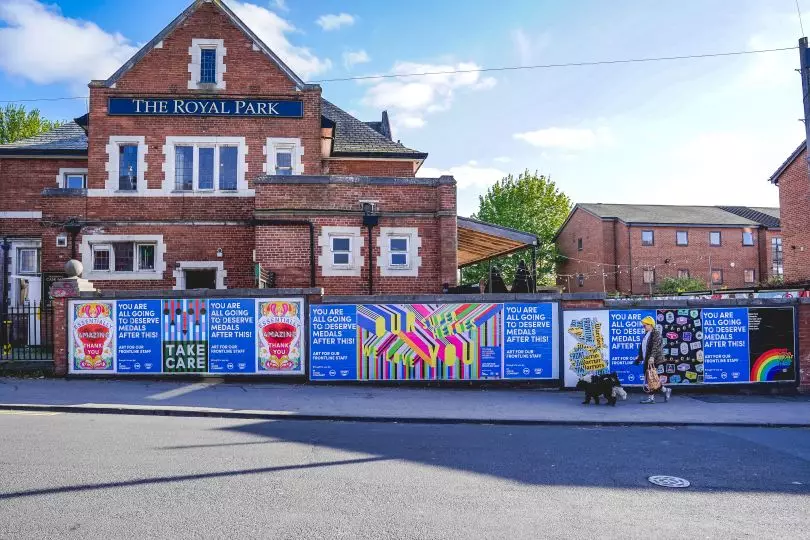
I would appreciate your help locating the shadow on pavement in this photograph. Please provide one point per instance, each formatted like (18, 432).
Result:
(617, 457)
(179, 478)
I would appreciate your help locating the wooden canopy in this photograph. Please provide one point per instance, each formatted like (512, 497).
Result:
(479, 241)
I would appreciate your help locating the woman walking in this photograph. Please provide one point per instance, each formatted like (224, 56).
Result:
(651, 354)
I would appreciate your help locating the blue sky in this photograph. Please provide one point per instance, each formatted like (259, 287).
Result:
(707, 131)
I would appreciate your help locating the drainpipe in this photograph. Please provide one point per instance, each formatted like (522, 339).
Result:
(296, 222)
(74, 227)
(370, 220)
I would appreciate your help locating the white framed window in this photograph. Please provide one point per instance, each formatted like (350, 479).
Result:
(714, 238)
(747, 238)
(647, 238)
(341, 249)
(28, 260)
(649, 277)
(399, 251)
(284, 156)
(207, 64)
(206, 165)
(123, 256)
(681, 238)
(126, 164)
(61, 240)
(72, 178)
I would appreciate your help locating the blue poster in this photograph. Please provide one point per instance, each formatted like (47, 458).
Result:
(490, 362)
(231, 335)
(626, 333)
(725, 345)
(138, 336)
(528, 341)
(333, 342)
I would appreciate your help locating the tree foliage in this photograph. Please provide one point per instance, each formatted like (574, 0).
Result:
(674, 285)
(16, 123)
(529, 202)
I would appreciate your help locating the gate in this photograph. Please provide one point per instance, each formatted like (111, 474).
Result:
(26, 333)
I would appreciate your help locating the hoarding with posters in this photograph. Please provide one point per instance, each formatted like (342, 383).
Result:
(469, 341)
(707, 345)
(206, 336)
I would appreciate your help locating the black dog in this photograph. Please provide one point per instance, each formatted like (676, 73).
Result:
(596, 385)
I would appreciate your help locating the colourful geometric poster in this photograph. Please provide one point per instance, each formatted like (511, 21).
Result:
(92, 333)
(279, 332)
(428, 341)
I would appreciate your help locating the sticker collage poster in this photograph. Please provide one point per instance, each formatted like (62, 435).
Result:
(725, 345)
(188, 335)
(471, 341)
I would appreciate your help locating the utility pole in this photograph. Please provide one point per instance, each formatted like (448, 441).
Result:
(604, 287)
(804, 71)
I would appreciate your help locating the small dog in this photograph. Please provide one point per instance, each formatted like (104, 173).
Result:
(604, 385)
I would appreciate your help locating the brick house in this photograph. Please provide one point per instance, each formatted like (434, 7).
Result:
(794, 191)
(205, 162)
(632, 248)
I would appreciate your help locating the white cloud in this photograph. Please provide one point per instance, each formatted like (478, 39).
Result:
(280, 5)
(351, 58)
(411, 98)
(566, 138)
(273, 30)
(467, 175)
(334, 22)
(527, 47)
(502, 159)
(42, 45)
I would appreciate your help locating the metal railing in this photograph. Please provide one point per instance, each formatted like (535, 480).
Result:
(26, 333)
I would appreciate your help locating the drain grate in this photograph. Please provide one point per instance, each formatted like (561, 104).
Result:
(669, 481)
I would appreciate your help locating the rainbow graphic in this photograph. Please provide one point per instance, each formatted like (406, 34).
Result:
(770, 364)
(425, 341)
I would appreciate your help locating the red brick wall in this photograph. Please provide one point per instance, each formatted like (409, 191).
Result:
(623, 257)
(22, 180)
(794, 193)
(594, 251)
(369, 167)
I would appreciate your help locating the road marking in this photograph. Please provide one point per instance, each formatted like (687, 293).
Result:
(30, 413)
(183, 390)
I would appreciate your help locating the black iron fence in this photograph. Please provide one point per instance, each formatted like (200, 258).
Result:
(26, 332)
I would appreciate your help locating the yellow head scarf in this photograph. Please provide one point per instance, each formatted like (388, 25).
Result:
(648, 320)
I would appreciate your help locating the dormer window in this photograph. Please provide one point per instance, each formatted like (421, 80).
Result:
(208, 66)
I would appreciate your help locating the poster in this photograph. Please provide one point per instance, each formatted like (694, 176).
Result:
(709, 345)
(529, 340)
(471, 341)
(92, 337)
(726, 358)
(188, 336)
(682, 335)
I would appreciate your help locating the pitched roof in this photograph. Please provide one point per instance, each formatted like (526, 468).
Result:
(382, 127)
(768, 217)
(69, 139)
(774, 179)
(355, 138)
(666, 214)
(299, 83)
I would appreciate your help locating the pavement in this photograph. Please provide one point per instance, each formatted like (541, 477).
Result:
(509, 406)
(88, 476)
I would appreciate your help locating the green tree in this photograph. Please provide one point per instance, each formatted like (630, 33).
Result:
(674, 285)
(16, 123)
(530, 203)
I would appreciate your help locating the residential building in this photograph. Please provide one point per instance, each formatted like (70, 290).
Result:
(630, 249)
(794, 191)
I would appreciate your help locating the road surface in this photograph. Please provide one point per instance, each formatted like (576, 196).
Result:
(109, 476)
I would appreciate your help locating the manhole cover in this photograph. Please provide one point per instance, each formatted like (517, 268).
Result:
(669, 481)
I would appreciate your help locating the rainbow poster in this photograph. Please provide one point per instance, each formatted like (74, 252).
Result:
(772, 345)
(429, 342)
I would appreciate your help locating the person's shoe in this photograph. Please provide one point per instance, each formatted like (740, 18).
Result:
(667, 393)
(648, 400)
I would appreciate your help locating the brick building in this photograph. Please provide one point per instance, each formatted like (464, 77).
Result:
(794, 191)
(632, 248)
(205, 162)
